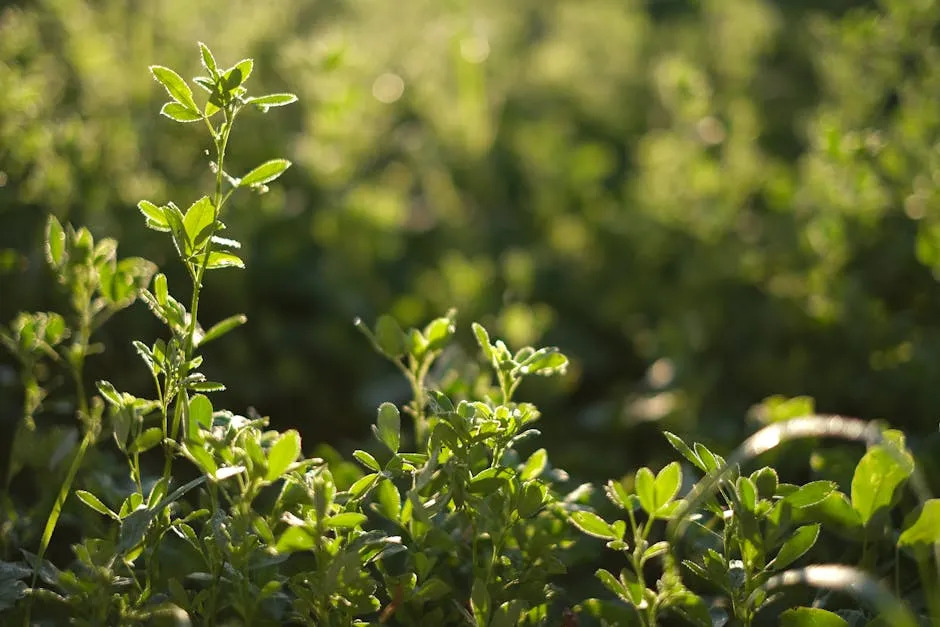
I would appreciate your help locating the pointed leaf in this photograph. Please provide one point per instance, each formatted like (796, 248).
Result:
(811, 617)
(265, 173)
(221, 259)
(95, 503)
(221, 328)
(199, 216)
(208, 61)
(180, 113)
(147, 440)
(272, 100)
(926, 529)
(55, 242)
(389, 426)
(593, 525)
(284, 452)
(796, 545)
(175, 86)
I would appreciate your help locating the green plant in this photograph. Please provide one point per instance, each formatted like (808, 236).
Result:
(465, 530)
(216, 519)
(744, 532)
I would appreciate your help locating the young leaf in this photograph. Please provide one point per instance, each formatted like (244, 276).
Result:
(388, 429)
(147, 440)
(877, 477)
(593, 525)
(95, 503)
(55, 242)
(294, 539)
(480, 602)
(201, 214)
(208, 61)
(811, 617)
(346, 520)
(265, 173)
(367, 460)
(534, 465)
(926, 529)
(746, 493)
(200, 411)
(796, 545)
(667, 484)
(238, 74)
(810, 494)
(483, 339)
(109, 393)
(283, 454)
(175, 86)
(272, 100)
(221, 328)
(683, 449)
(645, 485)
(179, 113)
(221, 259)
(389, 337)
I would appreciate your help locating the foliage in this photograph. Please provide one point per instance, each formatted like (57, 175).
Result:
(203, 515)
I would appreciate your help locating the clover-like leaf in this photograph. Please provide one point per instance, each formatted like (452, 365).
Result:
(926, 528)
(388, 426)
(801, 541)
(265, 173)
(284, 452)
(95, 503)
(175, 86)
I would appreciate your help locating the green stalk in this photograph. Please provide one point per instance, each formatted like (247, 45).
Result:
(77, 370)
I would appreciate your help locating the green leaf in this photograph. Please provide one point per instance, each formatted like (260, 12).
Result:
(388, 500)
(389, 337)
(593, 525)
(175, 86)
(614, 585)
(439, 332)
(109, 393)
(207, 386)
(544, 362)
(480, 602)
(95, 503)
(483, 339)
(202, 458)
(272, 100)
(346, 520)
(388, 426)
(535, 465)
(765, 480)
(55, 242)
(283, 454)
(926, 528)
(208, 61)
(295, 539)
(877, 477)
(160, 291)
(265, 173)
(645, 485)
(811, 617)
(180, 113)
(200, 412)
(221, 328)
(801, 541)
(223, 259)
(667, 484)
(746, 493)
(367, 460)
(677, 443)
(531, 499)
(199, 216)
(147, 440)
(810, 494)
(238, 74)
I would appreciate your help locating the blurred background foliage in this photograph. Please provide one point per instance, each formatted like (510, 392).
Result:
(702, 202)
